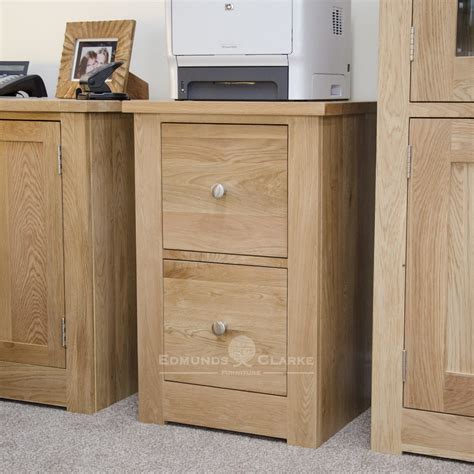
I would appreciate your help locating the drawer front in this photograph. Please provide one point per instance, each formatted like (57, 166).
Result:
(250, 162)
(251, 301)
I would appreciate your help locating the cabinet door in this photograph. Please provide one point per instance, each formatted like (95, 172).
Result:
(439, 326)
(31, 244)
(443, 66)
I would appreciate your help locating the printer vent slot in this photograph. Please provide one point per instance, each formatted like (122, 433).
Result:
(337, 21)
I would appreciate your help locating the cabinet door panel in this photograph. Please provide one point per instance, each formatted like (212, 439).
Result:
(440, 268)
(31, 244)
(439, 72)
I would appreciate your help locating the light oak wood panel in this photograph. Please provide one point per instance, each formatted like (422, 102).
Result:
(225, 409)
(435, 55)
(440, 267)
(78, 252)
(113, 222)
(346, 266)
(30, 116)
(251, 163)
(390, 224)
(333, 160)
(99, 252)
(438, 434)
(442, 110)
(226, 258)
(149, 266)
(45, 105)
(252, 301)
(305, 142)
(310, 416)
(31, 249)
(32, 383)
(460, 266)
(394, 115)
(245, 109)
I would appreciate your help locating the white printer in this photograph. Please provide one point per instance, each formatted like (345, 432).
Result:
(259, 49)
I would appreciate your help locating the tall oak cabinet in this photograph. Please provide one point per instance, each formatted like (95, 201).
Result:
(423, 372)
(67, 254)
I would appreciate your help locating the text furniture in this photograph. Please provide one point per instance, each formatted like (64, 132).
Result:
(67, 253)
(254, 264)
(423, 354)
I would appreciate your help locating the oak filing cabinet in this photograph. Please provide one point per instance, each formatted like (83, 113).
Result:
(254, 264)
(67, 253)
(423, 377)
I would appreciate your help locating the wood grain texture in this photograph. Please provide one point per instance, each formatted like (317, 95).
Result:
(459, 355)
(440, 267)
(30, 116)
(433, 79)
(225, 258)
(96, 295)
(32, 383)
(251, 163)
(225, 409)
(114, 274)
(78, 253)
(99, 250)
(137, 88)
(445, 110)
(252, 301)
(435, 55)
(304, 251)
(390, 224)
(121, 30)
(149, 266)
(31, 248)
(438, 434)
(346, 266)
(310, 417)
(47, 106)
(271, 109)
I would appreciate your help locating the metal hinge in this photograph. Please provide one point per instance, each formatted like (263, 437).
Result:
(63, 332)
(412, 44)
(60, 160)
(404, 365)
(409, 160)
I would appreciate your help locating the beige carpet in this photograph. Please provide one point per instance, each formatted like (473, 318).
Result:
(41, 439)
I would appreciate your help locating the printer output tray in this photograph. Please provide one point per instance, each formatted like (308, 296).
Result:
(233, 83)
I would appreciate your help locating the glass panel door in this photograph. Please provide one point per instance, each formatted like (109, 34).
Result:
(465, 28)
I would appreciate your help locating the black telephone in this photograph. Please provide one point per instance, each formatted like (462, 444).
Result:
(14, 82)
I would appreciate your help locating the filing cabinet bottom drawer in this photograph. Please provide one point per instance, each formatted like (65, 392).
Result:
(226, 326)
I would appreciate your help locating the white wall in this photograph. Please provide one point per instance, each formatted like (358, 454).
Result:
(1, 35)
(34, 30)
(365, 49)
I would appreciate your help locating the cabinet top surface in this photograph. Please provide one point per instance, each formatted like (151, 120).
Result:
(249, 108)
(58, 105)
(188, 107)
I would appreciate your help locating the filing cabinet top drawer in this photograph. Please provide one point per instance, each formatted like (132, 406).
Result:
(247, 350)
(225, 188)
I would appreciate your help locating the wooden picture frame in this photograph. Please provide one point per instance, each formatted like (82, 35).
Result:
(117, 36)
